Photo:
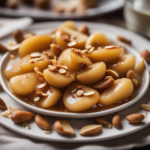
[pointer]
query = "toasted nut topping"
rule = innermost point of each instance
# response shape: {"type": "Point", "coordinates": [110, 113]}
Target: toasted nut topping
{"type": "Point", "coordinates": [146, 106]}
{"type": "Point", "coordinates": [44, 94]}
{"type": "Point", "coordinates": [54, 62]}
{"type": "Point", "coordinates": [65, 67]}
{"type": "Point", "coordinates": [5, 113]}
{"type": "Point", "coordinates": [123, 39]}
{"type": "Point", "coordinates": [42, 85]}
{"type": "Point", "coordinates": [51, 68]}
{"type": "Point", "coordinates": [135, 78]}
{"type": "Point", "coordinates": [36, 99]}
{"type": "Point", "coordinates": [78, 52]}
{"type": "Point", "coordinates": [39, 94]}
{"type": "Point", "coordinates": [146, 55]}
{"type": "Point", "coordinates": [28, 127]}
{"type": "Point", "coordinates": [12, 48]}
{"type": "Point", "coordinates": [103, 84]}
{"type": "Point", "coordinates": [108, 77]}
{"type": "Point", "coordinates": [111, 47]}
{"type": "Point", "coordinates": [79, 93]}
{"type": "Point", "coordinates": [32, 61]}
{"type": "Point", "coordinates": [85, 51]}
{"type": "Point", "coordinates": [39, 59]}
{"type": "Point", "coordinates": [47, 132]}
{"type": "Point", "coordinates": [62, 71]}
{"type": "Point", "coordinates": [11, 43]}
{"type": "Point", "coordinates": [24, 124]}
{"type": "Point", "coordinates": [12, 56]}
{"type": "Point", "coordinates": [73, 91]}
{"type": "Point", "coordinates": [91, 50]}
{"type": "Point", "coordinates": [89, 93]}
{"type": "Point", "coordinates": [112, 73]}
{"type": "Point", "coordinates": [88, 47]}
{"type": "Point", "coordinates": [73, 43]}
{"type": "Point", "coordinates": [79, 87]}
{"type": "Point", "coordinates": [35, 55]}
{"type": "Point", "coordinates": [36, 69]}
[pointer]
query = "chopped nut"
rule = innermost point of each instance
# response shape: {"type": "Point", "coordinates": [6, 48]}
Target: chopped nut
{"type": "Point", "coordinates": [111, 47]}
{"type": "Point", "coordinates": [65, 37]}
{"type": "Point", "coordinates": [35, 55]}
{"type": "Point", "coordinates": [79, 93]}
{"type": "Point", "coordinates": [54, 62]}
{"type": "Point", "coordinates": [78, 52]}
{"type": "Point", "coordinates": [11, 43]}
{"type": "Point", "coordinates": [39, 59]}
{"type": "Point", "coordinates": [38, 94]}
{"type": "Point", "coordinates": [146, 106]}
{"type": "Point", "coordinates": [91, 50]}
{"type": "Point", "coordinates": [15, 47]}
{"type": "Point", "coordinates": [146, 55]}
{"type": "Point", "coordinates": [36, 99]}
{"type": "Point", "coordinates": [5, 113]}
{"type": "Point", "coordinates": [36, 69]}
{"type": "Point", "coordinates": [123, 39]}
{"type": "Point", "coordinates": [73, 91]}
{"type": "Point", "coordinates": [28, 127]}
{"type": "Point", "coordinates": [51, 68]}
{"type": "Point", "coordinates": [73, 43]}
{"type": "Point", "coordinates": [135, 78]}
{"type": "Point", "coordinates": [89, 93]}
{"type": "Point", "coordinates": [85, 51]}
{"type": "Point", "coordinates": [88, 47]}
{"type": "Point", "coordinates": [47, 132]}
{"type": "Point", "coordinates": [42, 85]}
{"type": "Point", "coordinates": [44, 94]}
{"type": "Point", "coordinates": [112, 73]}
{"type": "Point", "coordinates": [12, 56]}
{"type": "Point", "coordinates": [62, 71]}
{"type": "Point", "coordinates": [84, 29]}
{"type": "Point", "coordinates": [32, 61]}
{"type": "Point", "coordinates": [56, 49]}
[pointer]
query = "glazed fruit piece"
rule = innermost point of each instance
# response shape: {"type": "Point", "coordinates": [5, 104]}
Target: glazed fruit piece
{"type": "Point", "coordinates": [122, 64]}
{"type": "Point", "coordinates": [57, 79]}
{"type": "Point", "coordinates": [105, 55]}
{"type": "Point", "coordinates": [35, 44]}
{"type": "Point", "coordinates": [27, 65]}
{"type": "Point", "coordinates": [79, 100]}
{"type": "Point", "coordinates": [73, 61]}
{"type": "Point", "coordinates": [53, 96]}
{"type": "Point", "coordinates": [115, 93]}
{"type": "Point", "coordinates": [97, 40]}
{"type": "Point", "coordinates": [66, 35]}
{"type": "Point", "coordinates": [24, 84]}
{"type": "Point", "coordinates": [68, 24]}
{"type": "Point", "coordinates": [92, 74]}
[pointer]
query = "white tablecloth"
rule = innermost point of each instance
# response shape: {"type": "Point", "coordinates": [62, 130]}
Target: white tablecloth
{"type": "Point", "coordinates": [10, 140]}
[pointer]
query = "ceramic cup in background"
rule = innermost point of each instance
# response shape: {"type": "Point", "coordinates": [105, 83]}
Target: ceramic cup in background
{"type": "Point", "coordinates": [137, 16]}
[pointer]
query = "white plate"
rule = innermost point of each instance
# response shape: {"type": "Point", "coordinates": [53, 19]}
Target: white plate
{"type": "Point", "coordinates": [103, 7]}
{"type": "Point", "coordinates": [37, 133]}
{"type": "Point", "coordinates": [139, 44]}
{"type": "Point", "coordinates": [111, 33]}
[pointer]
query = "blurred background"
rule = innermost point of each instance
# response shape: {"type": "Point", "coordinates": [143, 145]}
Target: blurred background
{"type": "Point", "coordinates": [131, 14]}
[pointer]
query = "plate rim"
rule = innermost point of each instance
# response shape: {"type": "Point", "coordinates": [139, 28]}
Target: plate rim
{"type": "Point", "coordinates": [64, 114]}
